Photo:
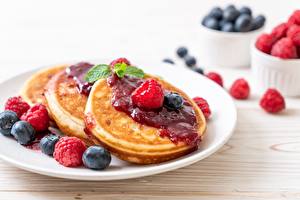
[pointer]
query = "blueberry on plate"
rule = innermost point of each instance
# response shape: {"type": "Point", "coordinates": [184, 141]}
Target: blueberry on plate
{"type": "Point", "coordinates": [168, 60]}
{"type": "Point", "coordinates": [243, 23]}
{"type": "Point", "coordinates": [211, 23]}
{"type": "Point", "coordinates": [23, 132]}
{"type": "Point", "coordinates": [258, 22]}
{"type": "Point", "coordinates": [216, 13]}
{"type": "Point", "coordinates": [182, 51]}
{"type": "Point", "coordinates": [96, 157]}
{"type": "Point", "coordinates": [231, 15]}
{"type": "Point", "coordinates": [173, 101]}
{"type": "Point", "coordinates": [198, 70]}
{"type": "Point", "coordinates": [190, 61]}
{"type": "Point", "coordinates": [227, 27]}
{"type": "Point", "coordinates": [246, 10]}
{"type": "Point", "coordinates": [7, 120]}
{"type": "Point", "coordinates": [47, 144]}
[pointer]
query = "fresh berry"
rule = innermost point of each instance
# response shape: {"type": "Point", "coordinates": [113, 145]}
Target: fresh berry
{"type": "Point", "coordinates": [285, 49]}
{"type": "Point", "coordinates": [216, 13]}
{"type": "Point", "coordinates": [272, 101]}
{"type": "Point", "coordinates": [227, 27]}
{"type": "Point", "coordinates": [173, 101]}
{"type": "Point", "coordinates": [211, 23]}
{"type": "Point", "coordinates": [222, 23]}
{"type": "Point", "coordinates": [149, 95]}
{"type": "Point", "coordinates": [7, 120]}
{"type": "Point", "coordinates": [182, 52]}
{"type": "Point", "coordinates": [23, 132]}
{"type": "Point", "coordinates": [203, 105]}
{"type": "Point", "coordinates": [294, 18]}
{"type": "Point", "coordinates": [120, 60]}
{"type": "Point", "coordinates": [279, 31]}
{"type": "Point", "coordinates": [264, 43]}
{"type": "Point", "coordinates": [96, 157]}
{"type": "Point", "coordinates": [47, 144]}
{"type": "Point", "coordinates": [294, 33]}
{"type": "Point", "coordinates": [38, 117]}
{"type": "Point", "coordinates": [231, 15]}
{"type": "Point", "coordinates": [68, 151]}
{"type": "Point", "coordinates": [198, 70]}
{"type": "Point", "coordinates": [258, 22]}
{"type": "Point", "coordinates": [190, 61]}
{"type": "Point", "coordinates": [240, 89]}
{"type": "Point", "coordinates": [230, 6]}
{"type": "Point", "coordinates": [215, 77]}
{"type": "Point", "coordinates": [246, 10]}
{"type": "Point", "coordinates": [168, 60]}
{"type": "Point", "coordinates": [243, 23]}
{"type": "Point", "coordinates": [17, 105]}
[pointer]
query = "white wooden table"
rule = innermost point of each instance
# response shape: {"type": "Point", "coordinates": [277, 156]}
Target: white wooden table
{"type": "Point", "coordinates": [261, 160]}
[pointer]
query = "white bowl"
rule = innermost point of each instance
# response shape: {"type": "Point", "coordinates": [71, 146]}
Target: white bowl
{"type": "Point", "coordinates": [273, 72]}
{"type": "Point", "coordinates": [224, 49]}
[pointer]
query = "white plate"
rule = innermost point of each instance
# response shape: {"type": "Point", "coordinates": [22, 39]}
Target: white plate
{"type": "Point", "coordinates": [219, 130]}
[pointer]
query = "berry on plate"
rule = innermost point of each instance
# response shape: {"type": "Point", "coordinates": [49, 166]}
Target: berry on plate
{"type": "Point", "coordinates": [173, 101]}
{"type": "Point", "coordinates": [265, 42]}
{"type": "Point", "coordinates": [120, 60]}
{"type": "Point", "coordinates": [68, 151]}
{"type": "Point", "coordinates": [17, 105]}
{"type": "Point", "coordinates": [7, 120]}
{"type": "Point", "coordinates": [240, 89]}
{"type": "Point", "coordinates": [47, 144]}
{"type": "Point", "coordinates": [294, 18]}
{"type": "Point", "coordinates": [190, 61]}
{"type": "Point", "coordinates": [285, 49]}
{"type": "Point", "coordinates": [168, 60]}
{"type": "Point", "coordinates": [182, 52]}
{"type": "Point", "coordinates": [294, 33]}
{"type": "Point", "coordinates": [279, 31]}
{"type": "Point", "coordinates": [215, 77]}
{"type": "Point", "coordinates": [23, 132]}
{"type": "Point", "coordinates": [198, 70]}
{"type": "Point", "coordinates": [203, 105]}
{"type": "Point", "coordinates": [272, 101]}
{"type": "Point", "coordinates": [38, 117]}
{"type": "Point", "coordinates": [148, 95]}
{"type": "Point", "coordinates": [96, 157]}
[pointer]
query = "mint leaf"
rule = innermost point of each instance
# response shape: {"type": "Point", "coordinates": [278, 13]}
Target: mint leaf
{"type": "Point", "coordinates": [97, 72]}
{"type": "Point", "coordinates": [120, 69]}
{"type": "Point", "coordinates": [134, 71]}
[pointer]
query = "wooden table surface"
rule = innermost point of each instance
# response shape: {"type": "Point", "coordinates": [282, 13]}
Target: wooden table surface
{"type": "Point", "coordinates": [260, 161]}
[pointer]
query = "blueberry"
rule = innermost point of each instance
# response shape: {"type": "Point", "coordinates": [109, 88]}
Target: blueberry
{"type": "Point", "coordinates": [190, 61]}
{"type": "Point", "coordinates": [227, 27]}
{"type": "Point", "coordinates": [204, 20]}
{"type": "Point", "coordinates": [243, 23]}
{"type": "Point", "coordinates": [216, 13]}
{"type": "Point", "coordinates": [173, 101]}
{"type": "Point", "coordinates": [168, 60]}
{"type": "Point", "coordinates": [23, 132]}
{"type": "Point", "coordinates": [246, 10]}
{"type": "Point", "coordinates": [258, 22]}
{"type": "Point", "coordinates": [96, 157]}
{"type": "Point", "coordinates": [7, 120]}
{"type": "Point", "coordinates": [211, 23]}
{"type": "Point", "coordinates": [231, 15]}
{"type": "Point", "coordinates": [198, 70]}
{"type": "Point", "coordinates": [222, 23]}
{"type": "Point", "coordinates": [47, 144]}
{"type": "Point", "coordinates": [230, 6]}
{"type": "Point", "coordinates": [182, 51]}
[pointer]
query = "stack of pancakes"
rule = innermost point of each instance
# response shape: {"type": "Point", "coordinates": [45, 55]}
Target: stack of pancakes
{"type": "Point", "coordinates": [95, 120]}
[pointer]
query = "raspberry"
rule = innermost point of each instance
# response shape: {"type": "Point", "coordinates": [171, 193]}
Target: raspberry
{"type": "Point", "coordinates": [272, 101]}
{"type": "Point", "coordinates": [215, 77]}
{"type": "Point", "coordinates": [240, 89]}
{"type": "Point", "coordinates": [284, 48]}
{"type": "Point", "coordinates": [279, 31]}
{"type": "Point", "coordinates": [17, 105]}
{"type": "Point", "coordinates": [203, 105]}
{"type": "Point", "coordinates": [148, 95]}
{"type": "Point", "coordinates": [265, 42]}
{"type": "Point", "coordinates": [38, 117]}
{"type": "Point", "coordinates": [68, 151]}
{"type": "Point", "coordinates": [294, 18]}
{"type": "Point", "coordinates": [120, 60]}
{"type": "Point", "coordinates": [294, 34]}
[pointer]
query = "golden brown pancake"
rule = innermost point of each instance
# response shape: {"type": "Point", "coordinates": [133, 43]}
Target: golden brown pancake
{"type": "Point", "coordinates": [127, 139]}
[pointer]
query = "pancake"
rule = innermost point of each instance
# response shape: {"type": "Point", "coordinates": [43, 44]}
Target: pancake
{"type": "Point", "coordinates": [66, 105]}
{"type": "Point", "coordinates": [127, 139]}
{"type": "Point", "coordinates": [33, 90]}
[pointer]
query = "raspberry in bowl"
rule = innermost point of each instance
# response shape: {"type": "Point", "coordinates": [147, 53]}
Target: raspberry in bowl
{"type": "Point", "coordinates": [226, 35]}
{"type": "Point", "coordinates": [276, 57]}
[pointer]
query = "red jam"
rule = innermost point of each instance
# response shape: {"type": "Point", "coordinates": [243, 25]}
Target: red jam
{"type": "Point", "coordinates": [77, 72]}
{"type": "Point", "coordinates": [177, 125]}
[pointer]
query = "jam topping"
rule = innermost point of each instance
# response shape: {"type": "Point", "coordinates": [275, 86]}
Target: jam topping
{"type": "Point", "coordinates": [77, 72]}
{"type": "Point", "coordinates": [178, 126]}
